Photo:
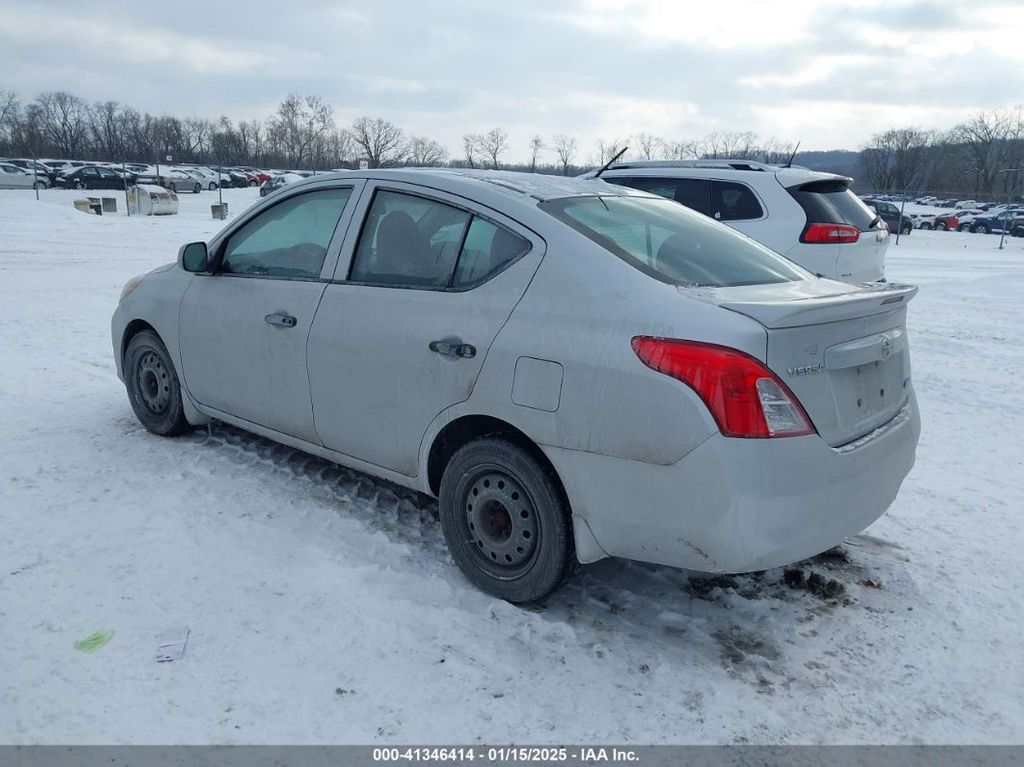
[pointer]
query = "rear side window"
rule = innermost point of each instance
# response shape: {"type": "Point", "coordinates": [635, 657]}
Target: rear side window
{"type": "Point", "coordinates": [672, 244]}
{"type": "Point", "coordinates": [832, 202]}
{"type": "Point", "coordinates": [734, 202]}
{"type": "Point", "coordinates": [412, 241]}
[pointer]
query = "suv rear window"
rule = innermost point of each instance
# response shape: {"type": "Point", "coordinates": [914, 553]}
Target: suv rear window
{"type": "Point", "coordinates": [832, 202]}
{"type": "Point", "coordinates": [672, 244]}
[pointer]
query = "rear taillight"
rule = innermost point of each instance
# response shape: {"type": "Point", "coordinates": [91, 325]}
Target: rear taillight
{"type": "Point", "coordinates": [830, 233]}
{"type": "Point", "coordinates": [745, 398]}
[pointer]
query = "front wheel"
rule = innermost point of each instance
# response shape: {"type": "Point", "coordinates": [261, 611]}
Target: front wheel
{"type": "Point", "coordinates": [153, 387]}
{"type": "Point", "coordinates": [505, 520]}
{"type": "Point", "coordinates": [213, 186]}
{"type": "Point", "coordinates": [942, 227]}
{"type": "Point", "coordinates": [981, 229]}
{"type": "Point", "coordinates": [906, 229]}
{"type": "Point", "coordinates": [173, 187]}
{"type": "Point", "coordinates": [197, 188]}
{"type": "Point", "coordinates": [925, 225]}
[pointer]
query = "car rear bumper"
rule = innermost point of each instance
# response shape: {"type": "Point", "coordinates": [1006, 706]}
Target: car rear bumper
{"type": "Point", "coordinates": [738, 505]}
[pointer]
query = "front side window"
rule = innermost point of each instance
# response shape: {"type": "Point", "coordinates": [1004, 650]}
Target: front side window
{"type": "Point", "coordinates": [672, 244]}
{"type": "Point", "coordinates": [288, 240]}
{"type": "Point", "coordinates": [409, 240]}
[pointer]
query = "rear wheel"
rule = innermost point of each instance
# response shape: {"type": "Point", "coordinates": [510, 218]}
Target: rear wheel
{"type": "Point", "coordinates": [941, 227]}
{"type": "Point", "coordinates": [213, 186]}
{"type": "Point", "coordinates": [905, 229]}
{"type": "Point", "coordinates": [173, 187]}
{"type": "Point", "coordinates": [153, 387]}
{"type": "Point", "coordinates": [926, 225]}
{"type": "Point", "coordinates": [505, 520]}
{"type": "Point", "coordinates": [981, 229]}
{"type": "Point", "coordinates": [197, 188]}
{"type": "Point", "coordinates": [1017, 231]}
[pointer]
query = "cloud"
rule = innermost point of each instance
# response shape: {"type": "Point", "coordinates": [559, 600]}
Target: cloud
{"type": "Point", "coordinates": [829, 74]}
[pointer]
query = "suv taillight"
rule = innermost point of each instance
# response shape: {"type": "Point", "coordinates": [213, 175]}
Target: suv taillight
{"type": "Point", "coordinates": [815, 233]}
{"type": "Point", "coordinates": [745, 398]}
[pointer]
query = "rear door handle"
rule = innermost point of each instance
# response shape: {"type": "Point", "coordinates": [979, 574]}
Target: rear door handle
{"type": "Point", "coordinates": [281, 320]}
{"type": "Point", "coordinates": [453, 348]}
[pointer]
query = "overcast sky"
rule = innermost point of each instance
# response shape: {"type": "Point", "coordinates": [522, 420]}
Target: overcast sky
{"type": "Point", "coordinates": [827, 72]}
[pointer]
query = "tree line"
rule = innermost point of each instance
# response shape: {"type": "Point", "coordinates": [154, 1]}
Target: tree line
{"type": "Point", "coordinates": [979, 156]}
{"type": "Point", "coordinates": [982, 156]}
{"type": "Point", "coordinates": [303, 133]}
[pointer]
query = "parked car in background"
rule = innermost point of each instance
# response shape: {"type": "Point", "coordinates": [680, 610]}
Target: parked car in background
{"type": "Point", "coordinates": [810, 217]}
{"type": "Point", "coordinates": [179, 181]}
{"type": "Point", "coordinates": [13, 177]}
{"type": "Point", "coordinates": [276, 182]}
{"type": "Point", "coordinates": [890, 214]}
{"type": "Point", "coordinates": [926, 200]}
{"type": "Point", "coordinates": [761, 414]}
{"type": "Point", "coordinates": [951, 221]}
{"type": "Point", "coordinates": [94, 177]}
{"type": "Point", "coordinates": [966, 204]}
{"type": "Point", "coordinates": [39, 169]}
{"type": "Point", "coordinates": [996, 220]}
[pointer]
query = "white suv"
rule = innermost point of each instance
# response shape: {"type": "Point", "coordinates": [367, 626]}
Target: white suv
{"type": "Point", "coordinates": [810, 217]}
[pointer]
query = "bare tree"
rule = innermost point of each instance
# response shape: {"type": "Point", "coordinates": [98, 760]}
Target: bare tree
{"type": "Point", "coordinates": [729, 145]}
{"type": "Point", "coordinates": [608, 148]}
{"type": "Point", "coordinates": [898, 159]}
{"type": "Point", "coordinates": [536, 147]}
{"type": "Point", "coordinates": [382, 142]}
{"type": "Point", "coordinates": [649, 145]}
{"type": "Point", "coordinates": [493, 144]}
{"type": "Point", "coordinates": [299, 125]}
{"type": "Point", "coordinates": [984, 139]}
{"type": "Point", "coordinates": [10, 110]}
{"type": "Point", "coordinates": [426, 153]}
{"type": "Point", "coordinates": [682, 150]}
{"type": "Point", "coordinates": [64, 121]}
{"type": "Point", "coordinates": [565, 148]}
{"type": "Point", "coordinates": [471, 148]}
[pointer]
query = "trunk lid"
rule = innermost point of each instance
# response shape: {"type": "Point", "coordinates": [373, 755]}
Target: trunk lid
{"type": "Point", "coordinates": [842, 349]}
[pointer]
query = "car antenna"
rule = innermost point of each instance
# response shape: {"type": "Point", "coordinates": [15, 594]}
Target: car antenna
{"type": "Point", "coordinates": [611, 162]}
{"type": "Point", "coordinates": [789, 162]}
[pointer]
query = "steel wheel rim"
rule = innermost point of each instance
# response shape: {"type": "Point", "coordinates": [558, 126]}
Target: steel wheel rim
{"type": "Point", "coordinates": [499, 522]}
{"type": "Point", "coordinates": [153, 382]}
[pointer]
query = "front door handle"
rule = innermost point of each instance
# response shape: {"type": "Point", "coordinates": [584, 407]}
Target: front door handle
{"type": "Point", "coordinates": [281, 320]}
{"type": "Point", "coordinates": [453, 348]}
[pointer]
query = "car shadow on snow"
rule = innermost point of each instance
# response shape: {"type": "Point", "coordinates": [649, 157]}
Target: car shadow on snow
{"type": "Point", "coordinates": [734, 617]}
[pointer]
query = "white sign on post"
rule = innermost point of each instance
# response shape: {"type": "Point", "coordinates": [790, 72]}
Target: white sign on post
{"type": "Point", "coordinates": [364, 165]}
{"type": "Point", "coordinates": [168, 158]}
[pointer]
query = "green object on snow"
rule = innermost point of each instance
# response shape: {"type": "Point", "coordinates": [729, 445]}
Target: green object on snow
{"type": "Point", "coordinates": [93, 642]}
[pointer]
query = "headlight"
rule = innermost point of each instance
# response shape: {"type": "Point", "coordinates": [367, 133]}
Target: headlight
{"type": "Point", "coordinates": [129, 287]}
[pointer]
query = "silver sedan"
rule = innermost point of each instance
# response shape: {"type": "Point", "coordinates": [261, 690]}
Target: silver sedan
{"type": "Point", "coordinates": [575, 370]}
{"type": "Point", "coordinates": [13, 177]}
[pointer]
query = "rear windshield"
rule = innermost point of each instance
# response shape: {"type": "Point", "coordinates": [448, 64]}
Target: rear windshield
{"type": "Point", "coordinates": [832, 202]}
{"type": "Point", "coordinates": [672, 243]}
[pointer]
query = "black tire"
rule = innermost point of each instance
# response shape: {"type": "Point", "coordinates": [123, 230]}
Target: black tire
{"type": "Point", "coordinates": [197, 188]}
{"type": "Point", "coordinates": [213, 186]}
{"type": "Point", "coordinates": [153, 387]}
{"type": "Point", "coordinates": [1017, 231]}
{"type": "Point", "coordinates": [942, 227]}
{"type": "Point", "coordinates": [506, 520]}
{"type": "Point", "coordinates": [173, 187]}
{"type": "Point", "coordinates": [980, 229]}
{"type": "Point", "coordinates": [926, 225]}
{"type": "Point", "coordinates": [906, 228]}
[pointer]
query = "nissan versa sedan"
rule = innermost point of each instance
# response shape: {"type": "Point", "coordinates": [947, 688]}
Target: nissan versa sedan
{"type": "Point", "coordinates": [575, 370]}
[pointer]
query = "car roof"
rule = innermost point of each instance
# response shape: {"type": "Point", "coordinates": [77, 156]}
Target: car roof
{"type": "Point", "coordinates": [491, 185]}
{"type": "Point", "coordinates": [788, 175]}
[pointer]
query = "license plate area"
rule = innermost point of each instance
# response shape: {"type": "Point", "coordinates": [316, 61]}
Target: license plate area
{"type": "Point", "coordinates": [867, 395]}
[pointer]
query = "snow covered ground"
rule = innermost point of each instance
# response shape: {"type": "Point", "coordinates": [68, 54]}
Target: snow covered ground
{"type": "Point", "coordinates": [324, 608]}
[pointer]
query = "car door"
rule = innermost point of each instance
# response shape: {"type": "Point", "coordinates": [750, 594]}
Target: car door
{"type": "Point", "coordinates": [243, 328]}
{"type": "Point", "coordinates": [402, 333]}
{"type": "Point", "coordinates": [11, 177]}
{"type": "Point", "coordinates": [108, 179]}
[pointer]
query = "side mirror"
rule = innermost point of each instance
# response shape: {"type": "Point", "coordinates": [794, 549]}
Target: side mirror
{"type": "Point", "coordinates": [194, 258]}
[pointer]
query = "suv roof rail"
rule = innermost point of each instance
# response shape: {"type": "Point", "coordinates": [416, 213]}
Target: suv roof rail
{"type": "Point", "coordinates": [737, 164]}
